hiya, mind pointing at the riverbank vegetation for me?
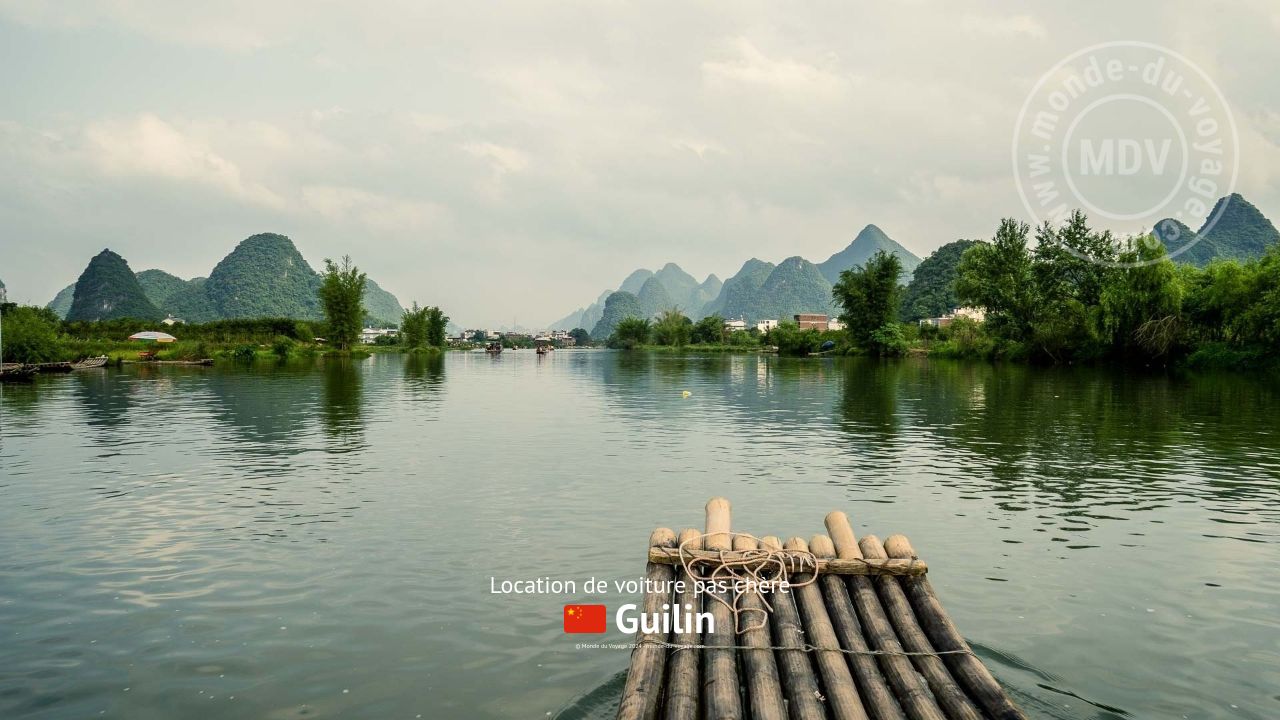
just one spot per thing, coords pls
(1077, 295)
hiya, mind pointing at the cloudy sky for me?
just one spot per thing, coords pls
(510, 162)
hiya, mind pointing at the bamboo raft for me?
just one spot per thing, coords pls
(859, 633)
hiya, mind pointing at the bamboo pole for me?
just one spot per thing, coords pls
(764, 689)
(967, 668)
(842, 695)
(643, 688)
(794, 563)
(799, 681)
(719, 666)
(875, 692)
(682, 674)
(945, 689)
(912, 694)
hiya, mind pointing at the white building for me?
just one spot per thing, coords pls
(766, 325)
(735, 325)
(975, 314)
(835, 324)
(370, 335)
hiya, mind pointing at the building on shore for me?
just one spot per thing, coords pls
(369, 336)
(835, 324)
(811, 321)
(765, 326)
(974, 314)
(735, 325)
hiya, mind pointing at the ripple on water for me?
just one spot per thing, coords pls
(319, 540)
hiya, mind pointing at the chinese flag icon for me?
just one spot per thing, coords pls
(584, 618)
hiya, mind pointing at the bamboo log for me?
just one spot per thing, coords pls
(912, 693)
(795, 563)
(682, 667)
(799, 681)
(842, 695)
(764, 689)
(875, 692)
(643, 688)
(719, 666)
(945, 689)
(967, 668)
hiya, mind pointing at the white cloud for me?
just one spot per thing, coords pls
(148, 146)
(750, 67)
(1003, 26)
(380, 213)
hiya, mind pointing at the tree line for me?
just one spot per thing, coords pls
(35, 334)
(1076, 295)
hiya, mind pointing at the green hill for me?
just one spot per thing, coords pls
(868, 241)
(617, 307)
(761, 291)
(381, 306)
(654, 298)
(107, 290)
(795, 286)
(61, 303)
(635, 281)
(740, 291)
(264, 276)
(161, 287)
(1241, 232)
(706, 292)
(932, 291)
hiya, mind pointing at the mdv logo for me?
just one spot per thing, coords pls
(1123, 156)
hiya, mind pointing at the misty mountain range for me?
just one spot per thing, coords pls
(759, 290)
(264, 276)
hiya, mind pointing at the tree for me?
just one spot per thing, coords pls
(342, 299)
(997, 277)
(932, 290)
(30, 334)
(869, 296)
(1141, 304)
(630, 333)
(581, 338)
(436, 324)
(709, 330)
(673, 328)
(478, 336)
(413, 327)
(791, 340)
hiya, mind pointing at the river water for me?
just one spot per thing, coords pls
(319, 540)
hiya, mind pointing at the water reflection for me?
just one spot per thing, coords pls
(424, 373)
(340, 408)
(106, 400)
(274, 532)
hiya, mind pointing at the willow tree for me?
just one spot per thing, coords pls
(342, 299)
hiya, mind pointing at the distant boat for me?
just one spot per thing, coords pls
(543, 349)
(17, 371)
(92, 362)
(494, 348)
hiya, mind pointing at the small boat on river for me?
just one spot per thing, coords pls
(494, 348)
(17, 371)
(89, 363)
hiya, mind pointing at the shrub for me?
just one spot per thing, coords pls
(630, 333)
(30, 334)
(887, 340)
(283, 346)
